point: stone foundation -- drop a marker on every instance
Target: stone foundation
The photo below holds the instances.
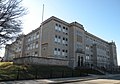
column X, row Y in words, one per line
column 40, row 60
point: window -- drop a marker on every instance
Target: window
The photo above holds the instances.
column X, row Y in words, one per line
column 63, row 52
column 36, row 45
column 33, row 45
column 28, row 39
column 36, row 54
column 30, row 46
column 55, row 51
column 79, row 38
column 34, row 37
column 58, row 51
column 19, row 49
column 59, row 39
column 58, row 27
column 31, row 37
column 55, row 38
column 37, row 35
column 87, row 57
column 65, row 41
column 87, row 47
column 64, row 30
column 63, row 38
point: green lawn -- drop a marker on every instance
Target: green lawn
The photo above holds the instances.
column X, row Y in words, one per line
column 9, row 71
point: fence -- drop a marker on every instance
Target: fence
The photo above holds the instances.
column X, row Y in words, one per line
column 37, row 74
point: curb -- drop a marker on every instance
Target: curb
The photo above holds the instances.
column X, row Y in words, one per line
column 76, row 80
column 81, row 79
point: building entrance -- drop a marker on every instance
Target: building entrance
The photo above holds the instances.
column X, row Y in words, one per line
column 80, row 61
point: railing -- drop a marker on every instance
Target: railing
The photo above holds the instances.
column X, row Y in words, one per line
column 37, row 74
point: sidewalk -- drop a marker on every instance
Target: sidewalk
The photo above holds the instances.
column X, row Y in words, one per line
column 57, row 80
column 52, row 81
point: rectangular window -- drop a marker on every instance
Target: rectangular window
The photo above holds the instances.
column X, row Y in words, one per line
column 34, row 36
column 55, row 38
column 64, row 30
column 58, row 51
column 30, row 46
column 65, row 41
column 63, row 52
column 87, row 57
column 59, row 39
column 33, row 45
column 36, row 45
column 31, row 37
column 79, row 38
column 55, row 51
column 37, row 35
column 36, row 54
column 28, row 39
column 58, row 27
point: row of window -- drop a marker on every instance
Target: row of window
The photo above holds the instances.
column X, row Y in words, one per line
column 101, row 47
column 60, row 28
column 59, row 39
column 87, row 58
column 32, row 45
column 33, row 37
column 79, row 33
column 79, row 39
column 89, row 48
column 99, row 42
column 18, row 49
column 32, row 54
column 103, row 56
column 58, row 51
column 79, row 45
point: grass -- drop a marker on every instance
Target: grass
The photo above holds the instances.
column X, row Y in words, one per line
column 10, row 71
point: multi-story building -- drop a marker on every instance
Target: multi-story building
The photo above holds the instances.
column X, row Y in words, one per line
column 14, row 50
column 62, row 43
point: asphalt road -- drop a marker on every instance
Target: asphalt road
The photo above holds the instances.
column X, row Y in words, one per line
column 107, row 80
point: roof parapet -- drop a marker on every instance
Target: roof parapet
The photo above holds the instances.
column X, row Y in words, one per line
column 77, row 24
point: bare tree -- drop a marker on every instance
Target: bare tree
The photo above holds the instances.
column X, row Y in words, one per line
column 10, row 23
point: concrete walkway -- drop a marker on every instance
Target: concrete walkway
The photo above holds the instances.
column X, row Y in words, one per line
column 57, row 80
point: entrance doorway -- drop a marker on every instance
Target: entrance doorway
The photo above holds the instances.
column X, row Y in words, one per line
column 80, row 61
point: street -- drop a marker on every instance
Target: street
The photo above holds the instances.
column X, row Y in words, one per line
column 98, row 79
column 108, row 80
